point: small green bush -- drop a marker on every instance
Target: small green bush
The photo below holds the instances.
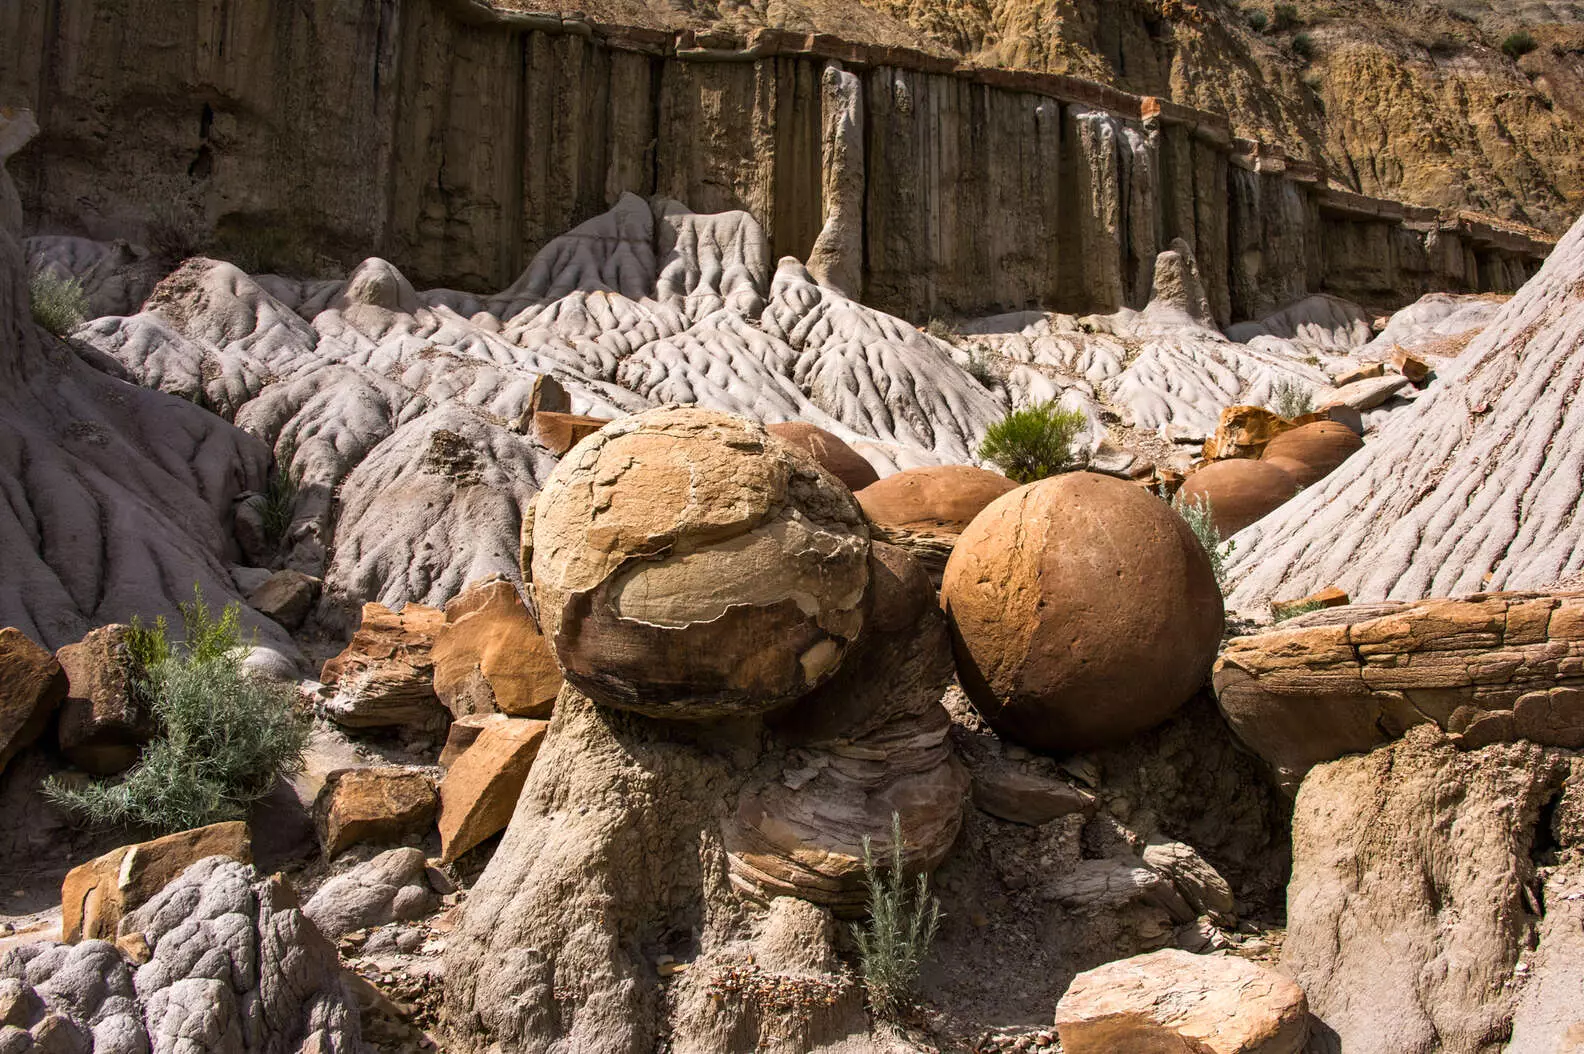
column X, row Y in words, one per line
column 280, row 500
column 1290, row 399
column 1032, row 443
column 1198, row 516
column 1285, row 16
column 1258, row 20
column 1303, row 46
column 901, row 928
column 58, row 304
column 1518, row 44
column 940, row 329
column 226, row 734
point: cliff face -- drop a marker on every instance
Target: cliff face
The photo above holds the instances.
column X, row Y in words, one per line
column 456, row 139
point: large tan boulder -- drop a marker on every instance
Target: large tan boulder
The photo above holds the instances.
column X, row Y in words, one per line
column 839, row 459
column 1244, row 432
column 1239, row 492
column 385, row 676
column 1083, row 611
column 1488, row 667
column 687, row 564
column 373, row 805
column 940, row 497
column 95, row 895
column 1313, row 451
column 480, row 788
column 103, row 725
column 489, row 656
column 32, row 685
column 1170, row 1000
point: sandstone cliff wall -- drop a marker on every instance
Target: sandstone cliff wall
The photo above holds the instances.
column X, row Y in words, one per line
column 457, row 140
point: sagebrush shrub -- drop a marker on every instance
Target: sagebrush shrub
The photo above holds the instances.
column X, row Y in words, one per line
column 1285, row 16
column 1198, row 515
column 1032, row 443
column 58, row 304
column 1518, row 44
column 225, row 734
column 896, row 938
column 1290, row 399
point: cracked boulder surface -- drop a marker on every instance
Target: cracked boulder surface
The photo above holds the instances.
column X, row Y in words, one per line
column 1485, row 668
column 1434, row 902
column 687, row 564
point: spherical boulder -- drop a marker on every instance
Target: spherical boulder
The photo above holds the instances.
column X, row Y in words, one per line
column 1312, row 452
column 937, row 498
column 687, row 564
column 839, row 459
column 1239, row 491
column 1083, row 611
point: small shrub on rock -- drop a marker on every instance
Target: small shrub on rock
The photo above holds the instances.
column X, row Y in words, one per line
column 226, row 734
column 1291, row 400
column 1198, row 516
column 58, row 304
column 1303, row 46
column 1518, row 44
column 1258, row 20
column 903, row 920
column 1032, row 443
column 940, row 329
column 1285, row 16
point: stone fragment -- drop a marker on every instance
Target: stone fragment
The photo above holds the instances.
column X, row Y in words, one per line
column 373, row 805
column 1170, row 1000
column 1352, row 678
column 480, row 788
column 490, row 657
column 103, row 724
column 939, row 498
column 1244, row 432
column 1084, row 611
column 1025, row 797
column 32, row 685
column 1238, row 492
column 1411, row 366
column 464, row 731
column 1313, row 451
column 287, row 597
column 839, row 459
column 1358, row 372
column 1365, row 394
column 385, row 676
column 391, row 887
column 687, row 565
column 560, row 432
column 1200, row 884
column 95, row 896
column 1329, row 597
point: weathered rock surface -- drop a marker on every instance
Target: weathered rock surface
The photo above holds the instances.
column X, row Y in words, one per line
column 1311, row 452
column 490, row 657
column 103, row 723
column 1484, row 667
column 687, row 564
column 1429, row 905
column 373, row 805
column 1474, row 490
column 392, row 887
column 1238, row 491
column 385, row 676
column 482, row 783
column 95, row 896
column 1244, row 431
column 943, row 498
column 1025, row 797
column 32, row 686
column 287, row 597
column 1058, row 596
column 1171, row 1000
column 839, row 459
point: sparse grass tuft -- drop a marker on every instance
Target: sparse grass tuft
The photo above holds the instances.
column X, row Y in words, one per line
column 1198, row 516
column 1032, row 443
column 1518, row 44
column 280, row 499
column 940, row 329
column 1291, row 400
column 1294, row 610
column 226, row 734
column 1258, row 20
column 1285, row 17
column 896, row 939
column 58, row 304
column 1303, row 46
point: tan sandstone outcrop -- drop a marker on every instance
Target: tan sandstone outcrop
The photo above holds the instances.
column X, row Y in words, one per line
column 1083, row 611
column 1485, row 667
column 490, row 657
column 385, row 675
column 372, row 806
column 32, row 685
column 481, row 785
column 103, row 723
column 687, row 564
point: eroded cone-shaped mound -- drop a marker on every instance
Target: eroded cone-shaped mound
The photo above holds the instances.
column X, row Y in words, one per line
column 839, row 459
column 1313, row 451
column 940, row 497
column 687, row 564
column 1083, row 611
column 1239, row 492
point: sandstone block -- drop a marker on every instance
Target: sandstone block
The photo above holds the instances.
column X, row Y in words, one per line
column 560, row 432
column 385, row 676
column 463, row 733
column 1244, row 432
column 1026, row 797
column 489, row 656
column 1359, row 372
column 287, row 597
column 95, row 895
column 103, row 724
column 480, row 788
column 1411, row 366
column 32, row 685
column 373, row 805
column 1365, row 394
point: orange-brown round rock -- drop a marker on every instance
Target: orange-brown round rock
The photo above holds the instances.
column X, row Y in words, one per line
column 1317, row 449
column 1083, row 611
column 937, row 498
column 1239, row 491
column 839, row 459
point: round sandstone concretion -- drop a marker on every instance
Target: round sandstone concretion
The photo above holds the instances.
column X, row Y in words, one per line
column 1240, row 491
column 686, row 564
column 939, row 498
column 839, row 459
column 1083, row 611
column 1312, row 452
